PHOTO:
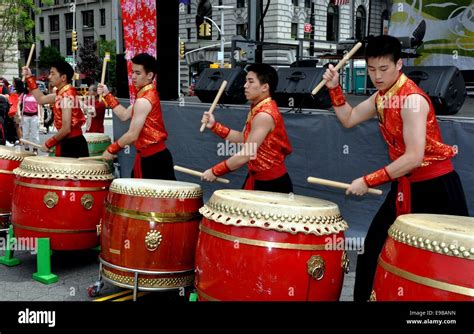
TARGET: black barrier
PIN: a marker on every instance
(210, 80)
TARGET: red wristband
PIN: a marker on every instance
(220, 130)
(377, 178)
(337, 96)
(51, 142)
(114, 148)
(31, 83)
(221, 168)
(111, 100)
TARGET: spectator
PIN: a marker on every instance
(29, 110)
(96, 111)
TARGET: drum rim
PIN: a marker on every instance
(138, 188)
(10, 153)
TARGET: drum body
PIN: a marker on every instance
(262, 246)
(61, 199)
(97, 143)
(427, 257)
(10, 158)
(150, 228)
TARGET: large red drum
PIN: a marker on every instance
(149, 231)
(262, 246)
(10, 158)
(61, 199)
(427, 257)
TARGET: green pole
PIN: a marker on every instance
(8, 259)
(43, 258)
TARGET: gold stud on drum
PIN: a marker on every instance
(152, 240)
(87, 201)
(50, 199)
(345, 262)
(316, 267)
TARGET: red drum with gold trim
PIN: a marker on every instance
(427, 257)
(10, 158)
(61, 199)
(263, 246)
(150, 229)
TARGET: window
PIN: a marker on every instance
(56, 2)
(102, 37)
(384, 28)
(102, 16)
(88, 18)
(68, 45)
(294, 30)
(188, 34)
(295, 2)
(307, 3)
(361, 21)
(189, 9)
(240, 3)
(41, 46)
(88, 39)
(332, 24)
(55, 44)
(54, 23)
(68, 18)
(41, 24)
(220, 2)
(242, 29)
(40, 3)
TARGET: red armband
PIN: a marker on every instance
(377, 178)
(220, 130)
(337, 96)
(114, 148)
(31, 83)
(221, 168)
(51, 142)
(111, 100)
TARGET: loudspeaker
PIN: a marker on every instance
(443, 84)
(295, 85)
(210, 80)
(122, 77)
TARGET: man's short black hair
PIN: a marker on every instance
(383, 46)
(64, 68)
(149, 63)
(265, 74)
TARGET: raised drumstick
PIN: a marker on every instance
(340, 185)
(341, 63)
(196, 173)
(32, 49)
(27, 142)
(97, 157)
(104, 67)
(214, 103)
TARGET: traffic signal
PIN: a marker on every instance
(205, 30)
(181, 50)
(74, 41)
(204, 10)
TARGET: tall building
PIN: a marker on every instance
(95, 19)
(284, 23)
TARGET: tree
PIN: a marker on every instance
(90, 64)
(48, 55)
(110, 47)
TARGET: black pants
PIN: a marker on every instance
(441, 195)
(158, 166)
(282, 184)
(75, 147)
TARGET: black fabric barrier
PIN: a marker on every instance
(321, 148)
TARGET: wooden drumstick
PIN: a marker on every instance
(30, 56)
(104, 67)
(214, 103)
(27, 142)
(339, 185)
(97, 157)
(196, 173)
(341, 63)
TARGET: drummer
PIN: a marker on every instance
(265, 143)
(68, 116)
(422, 175)
(147, 129)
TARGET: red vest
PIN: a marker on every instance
(77, 116)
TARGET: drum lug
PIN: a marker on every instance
(345, 262)
(87, 201)
(50, 199)
(316, 267)
(152, 240)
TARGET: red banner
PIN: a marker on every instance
(139, 29)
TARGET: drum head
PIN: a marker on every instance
(13, 153)
(268, 210)
(45, 167)
(156, 188)
(444, 234)
(96, 138)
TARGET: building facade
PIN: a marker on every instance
(94, 20)
(284, 23)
